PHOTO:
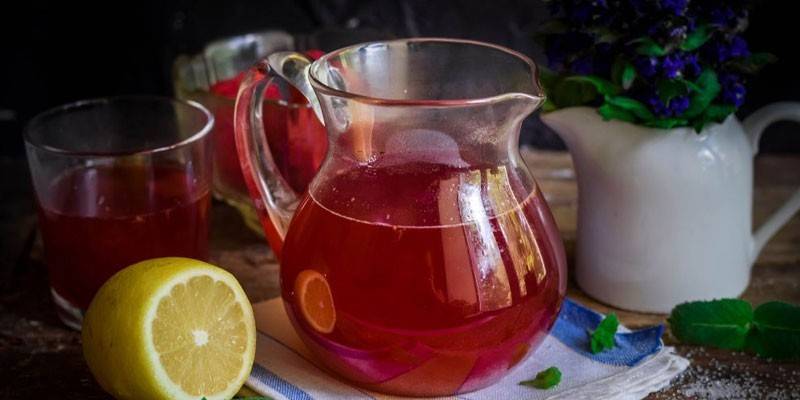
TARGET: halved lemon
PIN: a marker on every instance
(314, 297)
(170, 328)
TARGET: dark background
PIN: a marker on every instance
(58, 52)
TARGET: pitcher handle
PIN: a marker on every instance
(275, 201)
(754, 125)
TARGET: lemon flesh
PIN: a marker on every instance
(170, 328)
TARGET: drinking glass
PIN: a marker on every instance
(118, 180)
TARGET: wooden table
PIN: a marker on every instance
(41, 359)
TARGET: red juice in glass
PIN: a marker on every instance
(117, 180)
(440, 284)
(99, 220)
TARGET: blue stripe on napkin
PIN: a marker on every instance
(573, 327)
(280, 385)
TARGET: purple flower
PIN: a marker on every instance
(646, 66)
(658, 106)
(673, 66)
(738, 47)
(691, 65)
(677, 7)
(678, 31)
(733, 90)
(678, 105)
(716, 51)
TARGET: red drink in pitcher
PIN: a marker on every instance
(423, 259)
(98, 220)
(449, 277)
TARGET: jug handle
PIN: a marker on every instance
(754, 125)
(275, 201)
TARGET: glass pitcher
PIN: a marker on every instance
(422, 260)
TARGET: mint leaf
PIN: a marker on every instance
(610, 111)
(547, 78)
(549, 105)
(623, 73)
(718, 323)
(545, 379)
(570, 92)
(709, 89)
(649, 47)
(628, 75)
(666, 123)
(603, 336)
(634, 106)
(668, 89)
(603, 86)
(713, 113)
(718, 112)
(696, 38)
(776, 331)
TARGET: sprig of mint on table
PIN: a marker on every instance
(545, 379)
(771, 330)
(602, 338)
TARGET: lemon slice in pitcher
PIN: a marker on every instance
(316, 302)
(170, 328)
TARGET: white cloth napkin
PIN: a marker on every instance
(639, 364)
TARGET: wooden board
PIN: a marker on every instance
(41, 359)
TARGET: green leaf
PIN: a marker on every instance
(709, 89)
(603, 86)
(649, 47)
(718, 323)
(569, 93)
(668, 89)
(603, 34)
(712, 113)
(628, 76)
(609, 111)
(776, 331)
(690, 85)
(602, 337)
(634, 106)
(666, 123)
(616, 70)
(548, 79)
(545, 379)
(623, 73)
(696, 38)
(549, 105)
(718, 112)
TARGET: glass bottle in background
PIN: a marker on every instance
(212, 78)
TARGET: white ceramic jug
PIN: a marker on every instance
(664, 216)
